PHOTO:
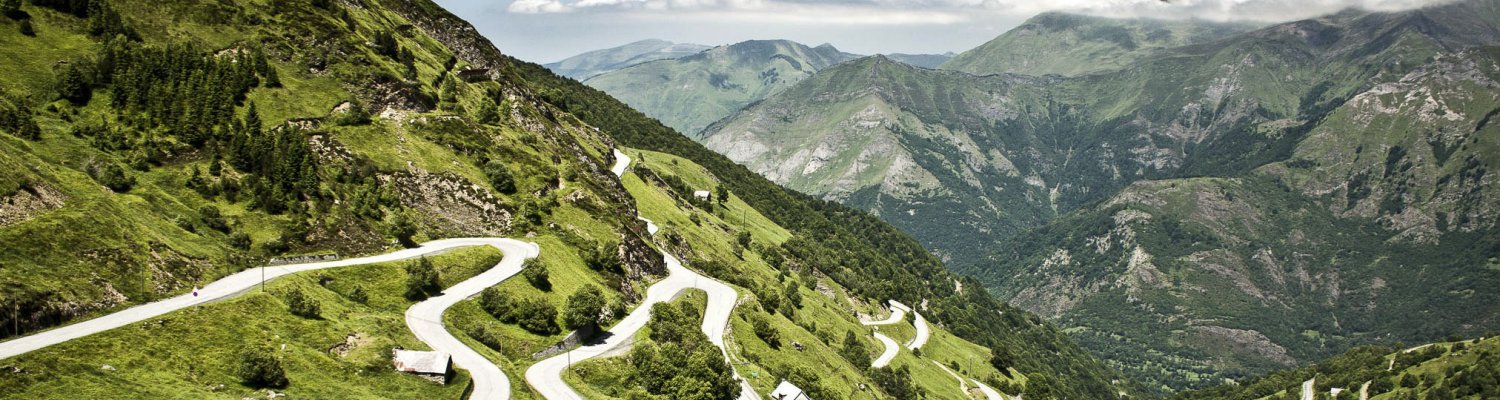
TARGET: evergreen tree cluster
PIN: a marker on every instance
(421, 280)
(103, 20)
(283, 167)
(896, 381)
(185, 92)
(17, 121)
(301, 305)
(583, 308)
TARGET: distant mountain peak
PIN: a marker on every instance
(1076, 44)
(589, 64)
(691, 92)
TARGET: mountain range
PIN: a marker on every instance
(1083, 208)
(415, 189)
(1223, 203)
(689, 93)
(589, 64)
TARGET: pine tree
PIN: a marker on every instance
(73, 86)
(855, 350)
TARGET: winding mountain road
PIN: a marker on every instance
(889, 353)
(989, 392)
(231, 285)
(963, 386)
(621, 161)
(923, 332)
(898, 311)
(425, 319)
(546, 376)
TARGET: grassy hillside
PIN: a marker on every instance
(1374, 123)
(121, 200)
(161, 146)
(342, 352)
(818, 317)
(856, 250)
(1452, 369)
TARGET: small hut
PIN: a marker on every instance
(787, 391)
(430, 365)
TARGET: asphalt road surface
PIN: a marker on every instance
(223, 288)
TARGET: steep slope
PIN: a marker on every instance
(691, 92)
(1071, 45)
(587, 65)
(909, 144)
(177, 143)
(870, 258)
(1222, 108)
(1452, 369)
(1342, 239)
(1374, 122)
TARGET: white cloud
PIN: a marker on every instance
(538, 7)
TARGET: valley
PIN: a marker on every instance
(166, 163)
(370, 199)
(1272, 195)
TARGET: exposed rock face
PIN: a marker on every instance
(1248, 340)
(451, 201)
(29, 201)
(639, 261)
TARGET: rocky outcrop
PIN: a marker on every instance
(451, 202)
(30, 200)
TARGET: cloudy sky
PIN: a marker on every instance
(549, 30)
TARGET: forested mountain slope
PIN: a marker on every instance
(161, 146)
(1372, 126)
(1452, 369)
(1370, 219)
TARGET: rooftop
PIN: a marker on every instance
(423, 362)
(787, 391)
